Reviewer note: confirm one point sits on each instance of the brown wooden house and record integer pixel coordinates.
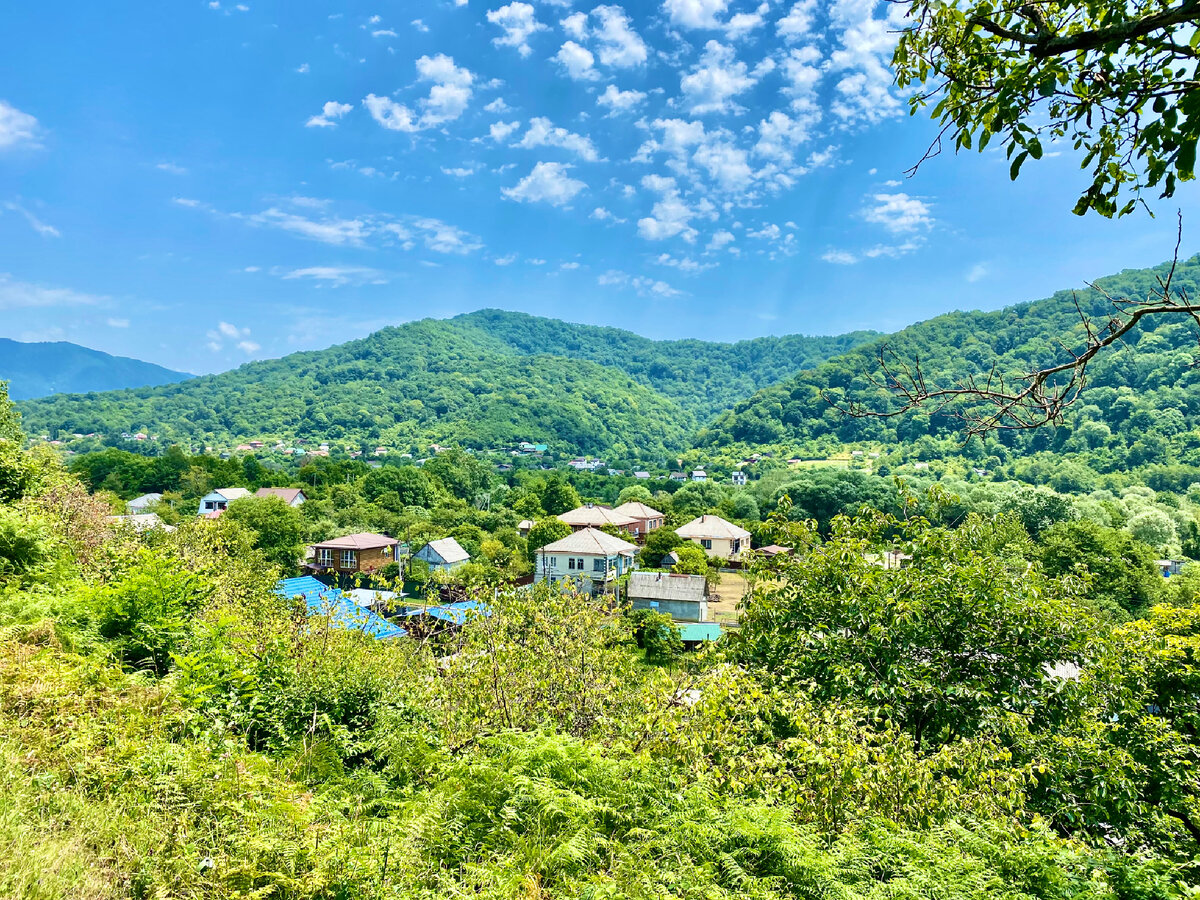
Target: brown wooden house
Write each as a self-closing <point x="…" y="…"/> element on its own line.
<point x="353" y="553"/>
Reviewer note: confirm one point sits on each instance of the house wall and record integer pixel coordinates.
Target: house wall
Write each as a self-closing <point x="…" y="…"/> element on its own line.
<point x="681" y="610"/>
<point x="366" y="560"/>
<point x="722" y="548"/>
<point x="555" y="567"/>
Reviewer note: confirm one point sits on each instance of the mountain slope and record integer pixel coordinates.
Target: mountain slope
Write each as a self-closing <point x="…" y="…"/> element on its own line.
<point x="39" y="369"/>
<point x="1145" y="397"/>
<point x="704" y="377"/>
<point x="486" y="379"/>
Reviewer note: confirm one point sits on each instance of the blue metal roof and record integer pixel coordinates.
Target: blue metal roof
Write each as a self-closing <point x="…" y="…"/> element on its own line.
<point x="343" y="612"/>
<point x="454" y="613"/>
<point x="699" y="631"/>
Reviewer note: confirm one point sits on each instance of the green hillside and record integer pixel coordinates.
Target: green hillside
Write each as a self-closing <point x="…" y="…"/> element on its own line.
<point x="1141" y="404"/>
<point x="485" y="379"/>
<point x="39" y="369"/>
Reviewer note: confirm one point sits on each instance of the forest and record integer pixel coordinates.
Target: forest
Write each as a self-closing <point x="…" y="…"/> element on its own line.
<point x="487" y="379"/>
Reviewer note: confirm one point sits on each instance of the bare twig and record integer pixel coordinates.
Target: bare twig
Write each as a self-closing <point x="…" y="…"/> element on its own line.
<point x="1041" y="397"/>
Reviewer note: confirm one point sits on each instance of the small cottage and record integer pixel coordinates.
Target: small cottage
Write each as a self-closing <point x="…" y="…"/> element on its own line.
<point x="592" y="516"/>
<point x="682" y="597"/>
<point x="645" y="518"/>
<point x="353" y="553"/>
<point x="590" y="558"/>
<point x="718" y="537"/>
<point x="218" y="501"/>
<point x="444" y="555"/>
<point x="290" y="496"/>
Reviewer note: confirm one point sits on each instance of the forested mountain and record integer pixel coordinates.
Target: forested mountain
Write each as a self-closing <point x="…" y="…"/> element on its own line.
<point x="484" y="379"/>
<point x="38" y="369"/>
<point x="1141" y="404"/>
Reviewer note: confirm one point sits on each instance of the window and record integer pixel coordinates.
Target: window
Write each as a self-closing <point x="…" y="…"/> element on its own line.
<point x="208" y="504"/>
<point x="706" y="543"/>
<point x="579" y="564"/>
<point x="599" y="565"/>
<point x="737" y="545"/>
<point x="553" y="562"/>
<point x="349" y="559"/>
<point x="571" y="563"/>
<point x="324" y="556"/>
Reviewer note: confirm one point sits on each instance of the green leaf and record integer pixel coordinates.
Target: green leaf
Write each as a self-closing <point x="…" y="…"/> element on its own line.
<point x="1015" y="169"/>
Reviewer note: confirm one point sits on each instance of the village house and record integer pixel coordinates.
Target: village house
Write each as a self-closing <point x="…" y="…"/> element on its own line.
<point x="682" y="597"/>
<point x="444" y="555"/>
<point x="590" y="558"/>
<point x="218" y="501"/>
<point x="698" y="475"/>
<point x="645" y="518"/>
<point x="141" y="504"/>
<point x="353" y="553"/>
<point x="141" y="522"/>
<point x="290" y="496"/>
<point x="640" y="475"/>
<point x="677" y="476"/>
<point x="719" y="538"/>
<point x="738" y="478"/>
<point x="525" y="526"/>
<point x="592" y="516"/>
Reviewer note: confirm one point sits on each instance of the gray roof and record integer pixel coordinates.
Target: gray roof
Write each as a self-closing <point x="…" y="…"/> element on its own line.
<point x="638" y="510"/>
<point x="590" y="541"/>
<point x="712" y="527"/>
<point x="232" y="493"/>
<point x="448" y="549"/>
<point x="666" y="586"/>
<point x="595" y="516"/>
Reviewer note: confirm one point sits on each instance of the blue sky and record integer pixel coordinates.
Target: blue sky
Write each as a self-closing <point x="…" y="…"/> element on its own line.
<point x="203" y="183"/>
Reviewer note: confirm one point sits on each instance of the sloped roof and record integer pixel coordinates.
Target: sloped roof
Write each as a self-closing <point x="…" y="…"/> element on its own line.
<point x="591" y="541"/>
<point x="454" y="613"/>
<point x="287" y="495"/>
<point x="666" y="586"/>
<point x="363" y="540"/>
<point x="638" y="510"/>
<point x="595" y="516"/>
<point x="774" y="550"/>
<point x="699" y="631"/>
<point x="712" y="527"/>
<point x="448" y="549"/>
<point x="144" y="500"/>
<point x="343" y="612"/>
<point x="232" y="493"/>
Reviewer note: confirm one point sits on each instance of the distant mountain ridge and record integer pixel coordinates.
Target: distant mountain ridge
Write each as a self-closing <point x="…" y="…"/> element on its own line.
<point x="483" y="379"/>
<point x="39" y="369"/>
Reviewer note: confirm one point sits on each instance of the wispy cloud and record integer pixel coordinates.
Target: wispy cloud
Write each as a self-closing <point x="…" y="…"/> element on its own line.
<point x="34" y="222"/>
<point x="27" y="295"/>
<point x="17" y="128"/>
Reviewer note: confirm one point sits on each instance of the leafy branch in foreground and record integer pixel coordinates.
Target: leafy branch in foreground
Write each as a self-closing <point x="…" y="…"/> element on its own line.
<point x="1040" y="397"/>
<point x="1116" y="79"/>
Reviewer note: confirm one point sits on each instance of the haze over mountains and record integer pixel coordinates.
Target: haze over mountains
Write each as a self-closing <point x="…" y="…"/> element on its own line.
<point x="491" y="378"/>
<point x="39" y="369"/>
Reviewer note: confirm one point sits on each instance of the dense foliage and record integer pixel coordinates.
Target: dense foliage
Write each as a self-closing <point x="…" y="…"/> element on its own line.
<point x="171" y="727"/>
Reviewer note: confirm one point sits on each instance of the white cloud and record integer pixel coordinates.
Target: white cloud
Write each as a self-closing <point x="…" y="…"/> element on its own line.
<point x="715" y="81"/>
<point x="26" y="295"/>
<point x="497" y="106"/>
<point x="620" y="101"/>
<point x="725" y="164"/>
<point x="671" y="216"/>
<point x="684" y="264"/>
<point x="779" y="135"/>
<point x="172" y="168"/>
<point x="865" y="43"/>
<point x="420" y="25"/>
<point x="741" y="24"/>
<point x="576" y="25"/>
<point x="798" y="23"/>
<point x="501" y="130"/>
<point x="391" y="115"/>
<point x="720" y="239"/>
<point x="618" y="45"/>
<point x="899" y="213"/>
<point x="451" y="90"/>
<point x="547" y="183"/>
<point x="17" y="127"/>
<point x="336" y="276"/>
<point x="302" y="68"/>
<point x="518" y="22"/>
<point x="117" y="323"/>
<point x="695" y="13"/>
<point x="442" y="237"/>
<point x="600" y="214"/>
<point x="249" y="346"/>
<point x="505" y="260"/>
<point x="459" y="171"/>
<point x="35" y="223"/>
<point x="383" y="32"/>
<point x="645" y="287"/>
<point x="978" y="272"/>
<point x="231" y="331"/>
<point x="577" y="61"/>
<point x="449" y="95"/>
<point x="542" y="133"/>
<point x="329" y="112"/>
<point x="839" y="257"/>
<point x="339" y="232"/>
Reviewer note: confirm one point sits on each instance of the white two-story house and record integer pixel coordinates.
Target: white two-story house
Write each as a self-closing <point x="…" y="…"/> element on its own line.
<point x="590" y="558"/>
